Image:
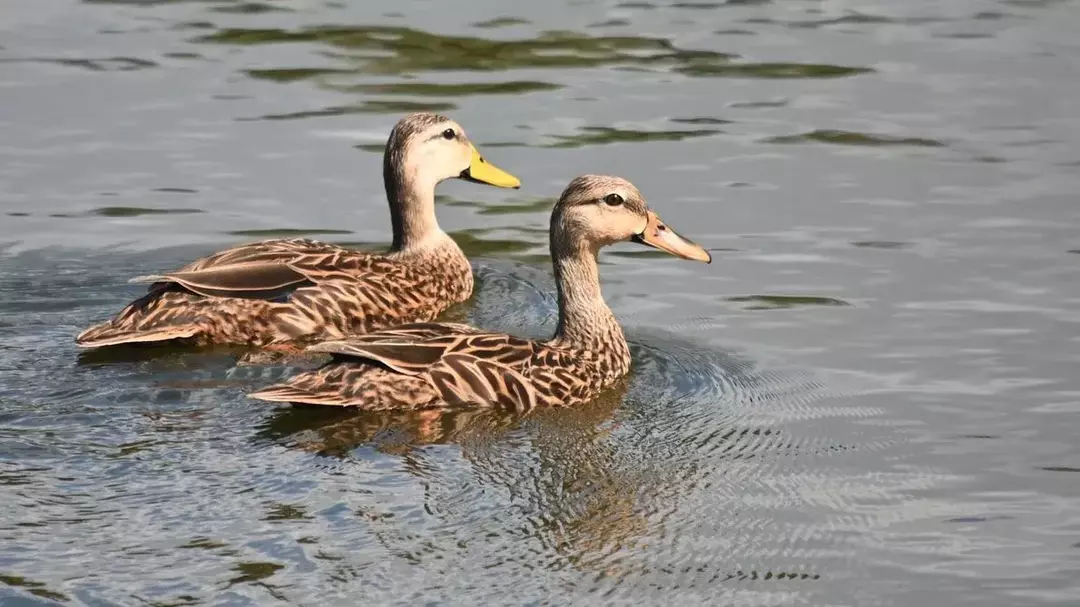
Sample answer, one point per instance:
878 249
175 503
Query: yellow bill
482 171
659 236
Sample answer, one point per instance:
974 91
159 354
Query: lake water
870 397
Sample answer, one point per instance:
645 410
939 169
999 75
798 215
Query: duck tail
284 393
108 334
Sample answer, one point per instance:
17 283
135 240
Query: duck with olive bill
443 365
283 291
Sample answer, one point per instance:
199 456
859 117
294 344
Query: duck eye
613 200
449 134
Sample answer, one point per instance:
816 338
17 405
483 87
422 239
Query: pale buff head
595 211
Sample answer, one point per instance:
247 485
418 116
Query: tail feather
284 393
107 334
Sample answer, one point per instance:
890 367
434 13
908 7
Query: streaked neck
585 320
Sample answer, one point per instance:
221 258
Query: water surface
869 398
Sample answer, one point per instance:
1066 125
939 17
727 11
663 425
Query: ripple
881 244
854 138
779 302
599 135
139 211
417 89
106 64
374 106
509 207
285 232
500 22
772 70
251 8
397 50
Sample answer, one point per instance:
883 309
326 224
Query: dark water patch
610 23
504 144
139 211
701 120
838 137
286 512
777 302
376 106
1035 3
500 22
993 16
473 244
597 135
18 214
1074 251
376 148
697 5
510 207
182 55
37 589
851 18
637 5
967 520
963 35
204 543
286 232
735 32
1060 468
397 50
430 89
881 244
106 64
294 74
251 8
751 105
771 70
252 572
639 254
176 190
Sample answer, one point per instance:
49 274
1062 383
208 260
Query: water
869 398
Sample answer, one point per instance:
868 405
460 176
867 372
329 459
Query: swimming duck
276 292
439 365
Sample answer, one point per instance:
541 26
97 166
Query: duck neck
412 207
585 320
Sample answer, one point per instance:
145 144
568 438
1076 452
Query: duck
429 366
280 292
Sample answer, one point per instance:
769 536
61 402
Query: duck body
443 365
278 291
298 290
447 365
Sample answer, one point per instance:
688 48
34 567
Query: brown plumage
281 291
432 365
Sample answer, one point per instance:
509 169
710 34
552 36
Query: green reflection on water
428 89
388 49
35 588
